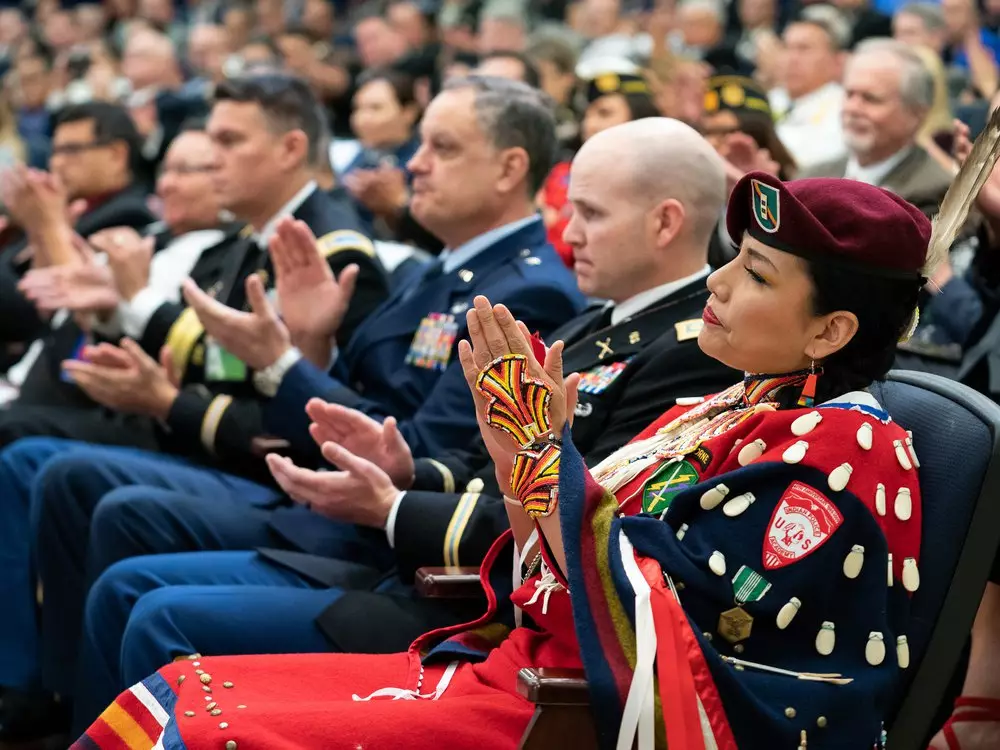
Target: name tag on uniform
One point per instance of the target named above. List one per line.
(432, 343)
(223, 367)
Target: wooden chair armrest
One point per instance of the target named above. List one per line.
(448, 583)
(562, 687)
(261, 445)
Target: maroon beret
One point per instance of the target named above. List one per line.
(840, 222)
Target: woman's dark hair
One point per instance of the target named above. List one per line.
(641, 105)
(760, 127)
(402, 85)
(884, 308)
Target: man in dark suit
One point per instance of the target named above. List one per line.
(94, 151)
(487, 146)
(887, 93)
(641, 241)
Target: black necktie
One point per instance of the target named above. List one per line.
(603, 320)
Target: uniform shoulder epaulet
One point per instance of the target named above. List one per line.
(688, 329)
(345, 239)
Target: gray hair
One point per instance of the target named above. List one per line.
(514, 115)
(916, 85)
(929, 13)
(831, 21)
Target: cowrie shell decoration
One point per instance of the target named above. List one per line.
(911, 575)
(826, 639)
(880, 499)
(839, 477)
(751, 452)
(738, 504)
(904, 504)
(875, 649)
(717, 563)
(854, 561)
(806, 423)
(865, 436)
(901, 455)
(795, 452)
(711, 498)
(788, 612)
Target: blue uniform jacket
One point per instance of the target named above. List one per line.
(431, 399)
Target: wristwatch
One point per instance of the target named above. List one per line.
(268, 380)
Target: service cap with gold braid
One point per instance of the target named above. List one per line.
(736, 94)
(603, 84)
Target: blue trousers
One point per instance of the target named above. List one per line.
(146, 611)
(20, 465)
(66, 495)
(94, 513)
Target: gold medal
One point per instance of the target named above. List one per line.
(735, 624)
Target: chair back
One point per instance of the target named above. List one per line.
(956, 435)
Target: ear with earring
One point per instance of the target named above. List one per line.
(808, 397)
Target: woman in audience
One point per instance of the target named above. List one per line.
(612, 99)
(751, 596)
(737, 120)
(384, 120)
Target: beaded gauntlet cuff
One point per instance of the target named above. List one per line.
(518, 404)
(535, 479)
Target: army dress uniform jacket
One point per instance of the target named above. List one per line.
(20, 323)
(403, 361)
(218, 413)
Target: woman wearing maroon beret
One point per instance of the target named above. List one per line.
(738, 576)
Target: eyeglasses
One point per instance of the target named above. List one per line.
(73, 149)
(185, 169)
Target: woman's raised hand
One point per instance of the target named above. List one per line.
(494, 333)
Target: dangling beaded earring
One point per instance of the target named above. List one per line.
(808, 397)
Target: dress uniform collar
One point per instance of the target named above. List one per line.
(263, 237)
(625, 310)
(453, 260)
(619, 342)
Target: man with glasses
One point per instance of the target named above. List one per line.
(91, 187)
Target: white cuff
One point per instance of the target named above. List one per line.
(135, 313)
(390, 522)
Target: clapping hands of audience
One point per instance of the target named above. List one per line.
(82, 287)
(129, 258)
(382, 191)
(313, 304)
(126, 379)
(373, 463)
(742, 155)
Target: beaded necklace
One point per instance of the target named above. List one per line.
(687, 432)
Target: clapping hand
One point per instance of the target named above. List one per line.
(380, 443)
(493, 332)
(313, 302)
(126, 379)
(129, 258)
(359, 492)
(257, 338)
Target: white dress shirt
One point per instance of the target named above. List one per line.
(874, 174)
(810, 129)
